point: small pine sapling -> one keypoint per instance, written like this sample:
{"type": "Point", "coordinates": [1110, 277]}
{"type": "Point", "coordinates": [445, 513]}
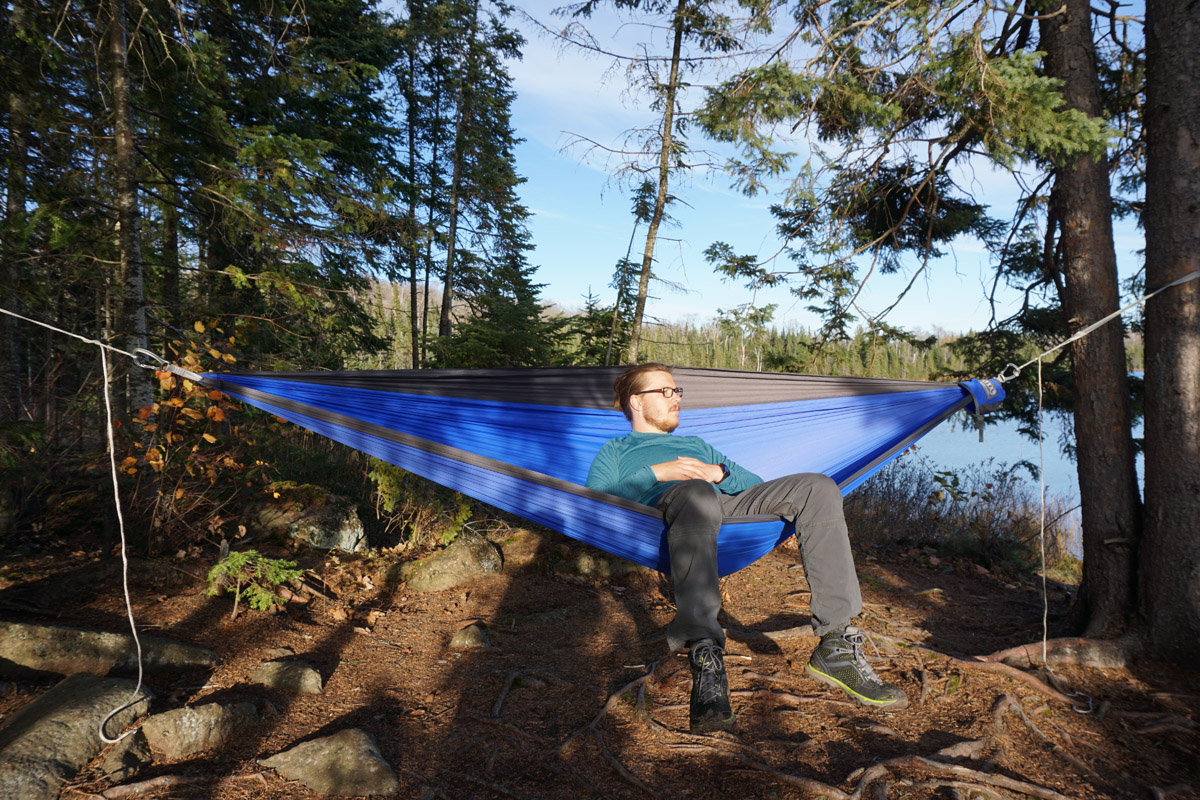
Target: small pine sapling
{"type": "Point", "coordinates": [255, 575]}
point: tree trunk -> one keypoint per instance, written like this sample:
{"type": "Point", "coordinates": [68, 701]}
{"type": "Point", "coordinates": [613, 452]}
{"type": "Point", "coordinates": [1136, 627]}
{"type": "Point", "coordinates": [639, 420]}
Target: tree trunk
{"type": "Point", "coordinates": [1169, 575]}
{"type": "Point", "coordinates": [462, 122]}
{"type": "Point", "coordinates": [171, 300]}
{"type": "Point", "coordinates": [13, 404]}
{"type": "Point", "coordinates": [412, 245]}
{"type": "Point", "coordinates": [132, 319]}
{"type": "Point", "coordinates": [1104, 446]}
{"type": "Point", "coordinates": [660, 200]}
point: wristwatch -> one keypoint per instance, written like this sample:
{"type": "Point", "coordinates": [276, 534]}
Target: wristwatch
{"type": "Point", "coordinates": [724, 472]}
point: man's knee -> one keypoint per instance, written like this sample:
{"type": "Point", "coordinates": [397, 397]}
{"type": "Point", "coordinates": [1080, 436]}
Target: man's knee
{"type": "Point", "coordinates": [692, 501]}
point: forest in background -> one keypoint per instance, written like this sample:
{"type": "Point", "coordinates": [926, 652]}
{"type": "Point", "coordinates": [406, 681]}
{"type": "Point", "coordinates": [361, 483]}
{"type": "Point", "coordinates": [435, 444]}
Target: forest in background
{"type": "Point", "coordinates": [229, 185]}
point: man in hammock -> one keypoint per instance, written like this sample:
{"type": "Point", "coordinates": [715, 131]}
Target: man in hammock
{"type": "Point", "coordinates": [696, 487]}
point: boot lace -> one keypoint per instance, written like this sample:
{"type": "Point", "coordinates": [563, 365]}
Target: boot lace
{"type": "Point", "coordinates": [856, 639]}
{"type": "Point", "coordinates": [711, 660]}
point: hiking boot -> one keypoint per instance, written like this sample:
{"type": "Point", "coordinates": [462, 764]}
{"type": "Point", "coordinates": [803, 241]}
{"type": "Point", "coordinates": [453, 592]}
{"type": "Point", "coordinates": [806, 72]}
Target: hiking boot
{"type": "Point", "coordinates": [839, 662]}
{"type": "Point", "coordinates": [710, 709]}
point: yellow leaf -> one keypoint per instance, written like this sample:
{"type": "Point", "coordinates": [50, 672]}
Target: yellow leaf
{"type": "Point", "coordinates": [178, 493]}
{"type": "Point", "coordinates": [214, 353]}
{"type": "Point", "coordinates": [216, 414]}
{"type": "Point", "coordinates": [191, 412]}
{"type": "Point", "coordinates": [228, 358]}
{"type": "Point", "coordinates": [128, 462]}
{"type": "Point", "coordinates": [167, 383]}
{"type": "Point", "coordinates": [176, 402]}
{"type": "Point", "coordinates": [198, 326]}
{"type": "Point", "coordinates": [215, 395]}
{"type": "Point", "coordinates": [208, 437]}
{"type": "Point", "coordinates": [132, 470]}
{"type": "Point", "coordinates": [188, 386]}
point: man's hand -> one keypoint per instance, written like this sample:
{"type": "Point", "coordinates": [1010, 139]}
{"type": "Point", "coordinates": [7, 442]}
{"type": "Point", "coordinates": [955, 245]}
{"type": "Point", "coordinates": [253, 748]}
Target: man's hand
{"type": "Point", "coordinates": [686, 468]}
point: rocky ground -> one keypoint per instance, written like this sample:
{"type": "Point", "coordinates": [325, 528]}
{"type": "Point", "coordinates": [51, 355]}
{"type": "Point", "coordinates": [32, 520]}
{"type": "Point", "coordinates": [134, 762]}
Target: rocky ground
{"type": "Point", "coordinates": [561, 685]}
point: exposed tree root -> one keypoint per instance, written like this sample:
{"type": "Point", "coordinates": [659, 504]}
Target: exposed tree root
{"type": "Point", "coordinates": [524, 734]}
{"type": "Point", "coordinates": [1000, 668]}
{"type": "Point", "coordinates": [961, 790]}
{"type": "Point", "coordinates": [975, 776]}
{"type": "Point", "coordinates": [512, 679]}
{"type": "Point", "coordinates": [787, 698]}
{"type": "Point", "coordinates": [613, 699]}
{"type": "Point", "coordinates": [1006, 703]}
{"type": "Point", "coordinates": [618, 766]}
{"type": "Point", "coordinates": [804, 784]}
{"type": "Point", "coordinates": [155, 785]}
{"type": "Point", "coordinates": [1104, 653]}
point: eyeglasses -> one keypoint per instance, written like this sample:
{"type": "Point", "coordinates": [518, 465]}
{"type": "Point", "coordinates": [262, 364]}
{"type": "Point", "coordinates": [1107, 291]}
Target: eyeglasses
{"type": "Point", "coordinates": [666, 391]}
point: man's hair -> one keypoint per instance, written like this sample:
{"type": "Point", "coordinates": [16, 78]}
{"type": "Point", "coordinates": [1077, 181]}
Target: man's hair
{"type": "Point", "coordinates": [630, 381]}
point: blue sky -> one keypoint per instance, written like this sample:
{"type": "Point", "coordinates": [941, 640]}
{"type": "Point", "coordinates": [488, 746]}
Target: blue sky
{"type": "Point", "coordinates": [581, 223]}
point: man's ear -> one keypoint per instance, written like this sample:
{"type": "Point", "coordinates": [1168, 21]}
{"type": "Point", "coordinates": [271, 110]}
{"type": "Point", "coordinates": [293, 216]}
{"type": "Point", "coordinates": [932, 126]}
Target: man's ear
{"type": "Point", "coordinates": [635, 403]}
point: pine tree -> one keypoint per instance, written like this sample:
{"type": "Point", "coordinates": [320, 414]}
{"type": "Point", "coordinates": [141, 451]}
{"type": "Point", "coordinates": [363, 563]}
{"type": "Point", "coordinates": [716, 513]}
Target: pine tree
{"type": "Point", "coordinates": [904, 105]}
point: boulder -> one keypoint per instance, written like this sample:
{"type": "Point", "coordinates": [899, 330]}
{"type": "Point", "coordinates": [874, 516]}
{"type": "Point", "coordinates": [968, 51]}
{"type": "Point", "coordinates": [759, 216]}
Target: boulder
{"type": "Point", "coordinates": [183, 732]}
{"type": "Point", "coordinates": [123, 761]}
{"type": "Point", "coordinates": [594, 564]}
{"type": "Point", "coordinates": [471, 637]}
{"type": "Point", "coordinates": [49, 740]}
{"type": "Point", "coordinates": [310, 517]}
{"type": "Point", "coordinates": [467, 558]}
{"type": "Point", "coordinates": [292, 676]}
{"type": "Point", "coordinates": [66, 651]}
{"type": "Point", "coordinates": [346, 763]}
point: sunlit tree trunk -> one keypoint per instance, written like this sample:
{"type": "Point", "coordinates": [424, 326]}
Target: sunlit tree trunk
{"type": "Point", "coordinates": [1169, 574]}
{"type": "Point", "coordinates": [660, 200]}
{"type": "Point", "coordinates": [463, 122]}
{"type": "Point", "coordinates": [1081, 202]}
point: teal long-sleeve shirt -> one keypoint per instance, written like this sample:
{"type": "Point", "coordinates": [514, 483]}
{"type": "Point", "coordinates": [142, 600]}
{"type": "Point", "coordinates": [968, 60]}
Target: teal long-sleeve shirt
{"type": "Point", "coordinates": [622, 467]}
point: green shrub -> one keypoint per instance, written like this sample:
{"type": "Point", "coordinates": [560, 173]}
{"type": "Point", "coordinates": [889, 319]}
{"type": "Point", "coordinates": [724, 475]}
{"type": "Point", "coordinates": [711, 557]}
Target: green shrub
{"type": "Point", "coordinates": [419, 511]}
{"type": "Point", "coordinates": [254, 575]}
{"type": "Point", "coordinates": [988, 514]}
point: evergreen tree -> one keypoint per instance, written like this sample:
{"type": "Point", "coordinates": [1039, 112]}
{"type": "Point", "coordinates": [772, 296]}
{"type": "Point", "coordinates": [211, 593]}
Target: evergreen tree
{"type": "Point", "coordinates": [663, 150]}
{"type": "Point", "coordinates": [907, 96]}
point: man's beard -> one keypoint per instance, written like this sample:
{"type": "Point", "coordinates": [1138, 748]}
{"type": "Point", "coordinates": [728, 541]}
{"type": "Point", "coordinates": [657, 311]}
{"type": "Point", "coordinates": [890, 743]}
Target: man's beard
{"type": "Point", "coordinates": [665, 423]}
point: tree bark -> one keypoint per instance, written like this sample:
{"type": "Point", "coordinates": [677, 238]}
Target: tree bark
{"type": "Point", "coordinates": [1108, 487]}
{"type": "Point", "coordinates": [1169, 575]}
{"type": "Point", "coordinates": [132, 319]}
{"type": "Point", "coordinates": [463, 122]}
{"type": "Point", "coordinates": [13, 404]}
{"type": "Point", "coordinates": [660, 200]}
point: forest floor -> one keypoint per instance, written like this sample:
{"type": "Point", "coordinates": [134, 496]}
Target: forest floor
{"type": "Point", "coordinates": [579, 695]}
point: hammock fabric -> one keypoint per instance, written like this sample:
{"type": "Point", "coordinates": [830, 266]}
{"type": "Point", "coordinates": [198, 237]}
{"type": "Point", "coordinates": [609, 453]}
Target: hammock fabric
{"type": "Point", "coordinates": [522, 439]}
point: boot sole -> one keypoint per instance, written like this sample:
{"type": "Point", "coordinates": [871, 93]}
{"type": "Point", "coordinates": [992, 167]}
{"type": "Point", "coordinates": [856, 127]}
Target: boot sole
{"type": "Point", "coordinates": [711, 724]}
{"type": "Point", "coordinates": [829, 680]}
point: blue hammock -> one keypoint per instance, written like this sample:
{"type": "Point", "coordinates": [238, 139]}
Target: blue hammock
{"type": "Point", "coordinates": [522, 439]}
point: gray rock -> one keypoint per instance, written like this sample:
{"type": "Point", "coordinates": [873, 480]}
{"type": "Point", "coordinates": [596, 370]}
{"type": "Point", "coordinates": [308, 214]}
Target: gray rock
{"type": "Point", "coordinates": [468, 638]}
{"type": "Point", "coordinates": [123, 761]}
{"type": "Point", "coordinates": [469, 557]}
{"type": "Point", "coordinates": [66, 651]}
{"type": "Point", "coordinates": [346, 763]}
{"type": "Point", "coordinates": [326, 522]}
{"type": "Point", "coordinates": [597, 565]}
{"type": "Point", "coordinates": [293, 676]}
{"type": "Point", "coordinates": [49, 740]}
{"type": "Point", "coordinates": [183, 732]}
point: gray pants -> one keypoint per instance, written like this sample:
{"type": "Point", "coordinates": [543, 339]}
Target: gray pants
{"type": "Point", "coordinates": [694, 510]}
